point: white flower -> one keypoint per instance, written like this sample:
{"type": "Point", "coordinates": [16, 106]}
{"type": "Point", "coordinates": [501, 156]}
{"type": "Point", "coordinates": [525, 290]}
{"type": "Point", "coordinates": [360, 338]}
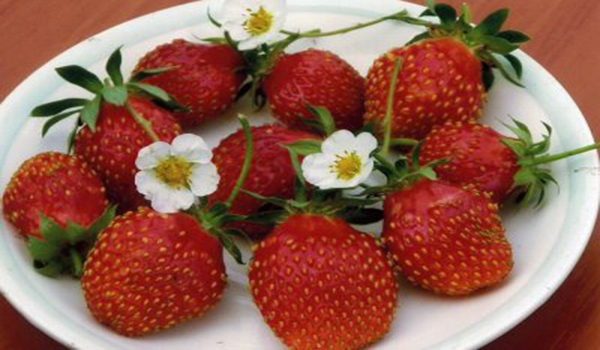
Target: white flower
{"type": "Point", "coordinates": [171, 176]}
{"type": "Point", "coordinates": [253, 22]}
{"type": "Point", "coordinates": [344, 162]}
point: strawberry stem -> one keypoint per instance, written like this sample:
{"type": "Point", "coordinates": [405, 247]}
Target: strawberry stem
{"type": "Point", "coordinates": [143, 122]}
{"type": "Point", "coordinates": [77, 262]}
{"type": "Point", "coordinates": [555, 157]}
{"type": "Point", "coordinates": [403, 142]}
{"type": "Point", "coordinates": [247, 161]}
{"type": "Point", "coordinates": [387, 124]}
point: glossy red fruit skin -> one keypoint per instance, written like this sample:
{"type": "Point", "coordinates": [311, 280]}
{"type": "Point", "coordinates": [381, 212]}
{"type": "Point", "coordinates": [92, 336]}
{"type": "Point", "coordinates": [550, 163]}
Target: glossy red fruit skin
{"type": "Point", "coordinates": [439, 81]}
{"type": "Point", "coordinates": [445, 238]}
{"type": "Point", "coordinates": [320, 284]}
{"type": "Point", "coordinates": [113, 148]}
{"type": "Point", "coordinates": [148, 272]}
{"type": "Point", "coordinates": [319, 78]}
{"type": "Point", "coordinates": [60, 186]}
{"type": "Point", "coordinates": [477, 156]}
{"type": "Point", "coordinates": [206, 77]}
{"type": "Point", "coordinates": [271, 172]}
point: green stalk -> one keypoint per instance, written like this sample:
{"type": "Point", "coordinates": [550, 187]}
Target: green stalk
{"type": "Point", "coordinates": [247, 160]}
{"type": "Point", "coordinates": [77, 262]}
{"type": "Point", "coordinates": [387, 123]}
{"type": "Point", "coordinates": [144, 123]}
{"type": "Point", "coordinates": [403, 142]}
{"type": "Point", "coordinates": [554, 157]}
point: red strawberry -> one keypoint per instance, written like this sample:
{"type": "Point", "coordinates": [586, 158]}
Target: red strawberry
{"type": "Point", "coordinates": [114, 125]}
{"type": "Point", "coordinates": [318, 78]}
{"type": "Point", "coordinates": [59, 186]}
{"type": "Point", "coordinates": [59, 204]}
{"type": "Point", "coordinates": [205, 78]}
{"type": "Point", "coordinates": [445, 238]}
{"type": "Point", "coordinates": [113, 148]}
{"type": "Point", "coordinates": [149, 272]}
{"type": "Point", "coordinates": [441, 76]}
{"type": "Point", "coordinates": [320, 284]}
{"type": "Point", "coordinates": [271, 173]}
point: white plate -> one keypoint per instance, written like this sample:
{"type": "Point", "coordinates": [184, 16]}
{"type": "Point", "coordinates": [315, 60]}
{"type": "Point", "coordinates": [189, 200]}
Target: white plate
{"type": "Point", "coordinates": [547, 242]}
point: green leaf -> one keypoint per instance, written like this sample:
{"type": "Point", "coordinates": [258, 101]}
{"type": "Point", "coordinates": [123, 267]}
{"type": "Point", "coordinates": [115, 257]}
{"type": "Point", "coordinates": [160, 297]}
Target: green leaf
{"type": "Point", "coordinates": [324, 117]}
{"type": "Point", "coordinates": [219, 209]}
{"type": "Point", "coordinates": [428, 173]}
{"type": "Point", "coordinates": [487, 75]}
{"type": "Point", "coordinates": [81, 77]}
{"type": "Point", "coordinates": [101, 223]}
{"type": "Point", "coordinates": [55, 107]}
{"type": "Point", "coordinates": [491, 24]}
{"type": "Point", "coordinates": [89, 113]}
{"type": "Point", "coordinates": [116, 95]}
{"type": "Point", "coordinates": [427, 13]}
{"type": "Point", "coordinates": [212, 19]}
{"type": "Point", "coordinates": [361, 216]}
{"type": "Point", "coordinates": [72, 135]}
{"type": "Point", "coordinates": [147, 73]}
{"type": "Point", "coordinates": [430, 5]}
{"type": "Point", "coordinates": [230, 246]}
{"type": "Point", "coordinates": [55, 119]}
{"type": "Point", "coordinates": [298, 170]}
{"type": "Point", "coordinates": [446, 13]}
{"type": "Point", "coordinates": [153, 91]}
{"type": "Point", "coordinates": [516, 146]}
{"type": "Point", "coordinates": [498, 45]}
{"type": "Point", "coordinates": [515, 63]}
{"type": "Point", "coordinates": [49, 269]}
{"type": "Point", "coordinates": [513, 36]}
{"type": "Point", "coordinates": [113, 67]}
{"type": "Point", "coordinates": [466, 17]}
{"type": "Point", "coordinates": [416, 153]}
{"type": "Point", "coordinates": [305, 147]}
{"type": "Point", "coordinates": [280, 202]}
{"type": "Point", "coordinates": [422, 36]}
{"type": "Point", "coordinates": [267, 217]}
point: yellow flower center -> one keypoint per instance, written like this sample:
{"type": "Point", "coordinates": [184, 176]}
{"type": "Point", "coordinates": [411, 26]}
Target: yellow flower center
{"type": "Point", "coordinates": [347, 166]}
{"type": "Point", "coordinates": [174, 171]}
{"type": "Point", "coordinates": [259, 22]}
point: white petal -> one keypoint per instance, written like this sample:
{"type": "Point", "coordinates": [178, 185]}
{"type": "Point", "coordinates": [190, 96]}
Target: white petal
{"type": "Point", "coordinates": [147, 184]}
{"type": "Point", "coordinates": [338, 142]}
{"type": "Point", "coordinates": [316, 169]}
{"type": "Point", "coordinates": [365, 143]}
{"type": "Point", "coordinates": [172, 200]}
{"type": "Point", "coordinates": [149, 156]}
{"type": "Point", "coordinates": [236, 31]}
{"type": "Point", "coordinates": [204, 179]}
{"type": "Point", "coordinates": [192, 148]}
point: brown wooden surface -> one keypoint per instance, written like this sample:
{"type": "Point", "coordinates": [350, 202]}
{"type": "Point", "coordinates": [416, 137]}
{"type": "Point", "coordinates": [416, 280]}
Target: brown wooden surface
{"type": "Point", "coordinates": [566, 42]}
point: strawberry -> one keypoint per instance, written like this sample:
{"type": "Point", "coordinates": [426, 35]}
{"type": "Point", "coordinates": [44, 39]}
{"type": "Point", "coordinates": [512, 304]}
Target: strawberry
{"type": "Point", "coordinates": [149, 272]}
{"type": "Point", "coordinates": [319, 78]}
{"type": "Point", "coordinates": [445, 238]}
{"type": "Point", "coordinates": [58, 203]}
{"type": "Point", "coordinates": [114, 125]}
{"type": "Point", "coordinates": [271, 173]}
{"type": "Point", "coordinates": [492, 162]}
{"type": "Point", "coordinates": [204, 78]}
{"type": "Point", "coordinates": [320, 284]}
{"type": "Point", "coordinates": [444, 72]}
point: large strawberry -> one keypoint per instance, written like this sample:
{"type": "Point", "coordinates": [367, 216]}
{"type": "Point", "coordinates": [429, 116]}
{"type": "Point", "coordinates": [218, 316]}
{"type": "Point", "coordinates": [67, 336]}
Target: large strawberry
{"type": "Point", "coordinates": [151, 271]}
{"type": "Point", "coordinates": [444, 72]}
{"type": "Point", "coordinates": [320, 284]}
{"type": "Point", "coordinates": [271, 173]}
{"type": "Point", "coordinates": [318, 78]}
{"type": "Point", "coordinates": [205, 78]}
{"type": "Point", "coordinates": [114, 125]}
{"type": "Point", "coordinates": [58, 203]}
{"type": "Point", "coordinates": [492, 162]}
{"type": "Point", "coordinates": [446, 239]}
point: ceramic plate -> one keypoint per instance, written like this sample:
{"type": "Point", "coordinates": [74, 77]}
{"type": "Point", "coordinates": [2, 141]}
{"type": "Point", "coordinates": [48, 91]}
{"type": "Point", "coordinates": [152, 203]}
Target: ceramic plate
{"type": "Point", "coordinates": [547, 242]}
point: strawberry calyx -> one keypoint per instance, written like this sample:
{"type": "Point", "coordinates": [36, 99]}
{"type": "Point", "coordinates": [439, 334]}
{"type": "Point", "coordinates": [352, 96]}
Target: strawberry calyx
{"type": "Point", "coordinates": [62, 250]}
{"type": "Point", "coordinates": [486, 40]}
{"type": "Point", "coordinates": [531, 180]}
{"type": "Point", "coordinates": [113, 90]}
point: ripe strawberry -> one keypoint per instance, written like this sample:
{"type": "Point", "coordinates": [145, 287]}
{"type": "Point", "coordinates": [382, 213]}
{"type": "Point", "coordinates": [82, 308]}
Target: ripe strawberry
{"type": "Point", "coordinates": [492, 162]}
{"type": "Point", "coordinates": [204, 78]}
{"type": "Point", "coordinates": [318, 78]}
{"type": "Point", "coordinates": [271, 173]}
{"type": "Point", "coordinates": [320, 284]}
{"type": "Point", "coordinates": [443, 75]}
{"type": "Point", "coordinates": [114, 125]}
{"type": "Point", "coordinates": [445, 238]}
{"type": "Point", "coordinates": [149, 272]}
{"type": "Point", "coordinates": [58, 203]}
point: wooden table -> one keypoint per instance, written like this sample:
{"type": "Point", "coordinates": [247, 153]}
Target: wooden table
{"type": "Point", "coordinates": [566, 42]}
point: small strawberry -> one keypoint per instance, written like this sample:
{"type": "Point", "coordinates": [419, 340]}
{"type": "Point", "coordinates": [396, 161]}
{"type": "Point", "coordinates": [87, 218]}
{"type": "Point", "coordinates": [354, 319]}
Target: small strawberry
{"type": "Point", "coordinates": [58, 203]}
{"type": "Point", "coordinates": [445, 238]}
{"type": "Point", "coordinates": [205, 78]}
{"type": "Point", "coordinates": [444, 72]}
{"type": "Point", "coordinates": [318, 78]}
{"type": "Point", "coordinates": [271, 173]}
{"type": "Point", "coordinates": [151, 271]}
{"type": "Point", "coordinates": [492, 162]}
{"type": "Point", "coordinates": [320, 284]}
{"type": "Point", "coordinates": [114, 125]}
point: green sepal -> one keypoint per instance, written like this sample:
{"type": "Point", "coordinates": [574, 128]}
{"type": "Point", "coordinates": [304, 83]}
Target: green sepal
{"type": "Point", "coordinates": [56, 107]}
{"type": "Point", "coordinates": [270, 217]}
{"type": "Point", "coordinates": [89, 112]}
{"type": "Point", "coordinates": [229, 245]}
{"type": "Point", "coordinates": [158, 94]}
{"type": "Point", "coordinates": [81, 77]}
{"type": "Point", "coordinates": [144, 74]}
{"type": "Point", "coordinates": [212, 19]}
{"type": "Point", "coordinates": [324, 119]}
{"type": "Point", "coordinates": [513, 36]}
{"type": "Point", "coordinates": [116, 95]}
{"type": "Point", "coordinates": [279, 202]}
{"type": "Point", "coordinates": [492, 23]}
{"type": "Point", "coordinates": [305, 147]}
{"type": "Point", "coordinates": [361, 216]}
{"type": "Point", "coordinates": [515, 63]}
{"type": "Point", "coordinates": [61, 249]}
{"type": "Point", "coordinates": [113, 67]}
{"type": "Point", "coordinates": [55, 119]}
